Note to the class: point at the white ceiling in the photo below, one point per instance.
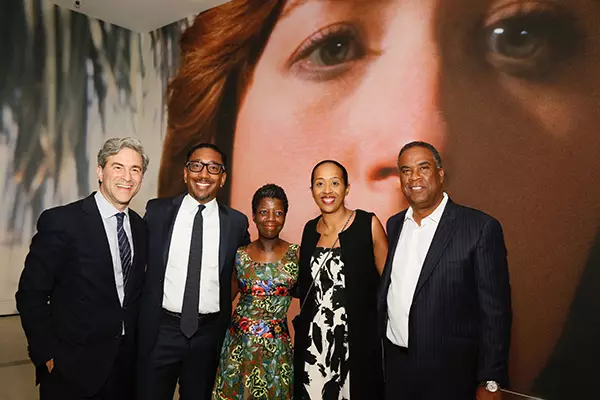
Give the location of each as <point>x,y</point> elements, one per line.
<point>139,15</point>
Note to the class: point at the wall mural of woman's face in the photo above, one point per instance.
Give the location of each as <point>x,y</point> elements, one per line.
<point>507,91</point>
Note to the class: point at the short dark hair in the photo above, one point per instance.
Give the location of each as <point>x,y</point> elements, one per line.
<point>428,146</point>
<point>337,164</point>
<point>269,191</point>
<point>206,146</point>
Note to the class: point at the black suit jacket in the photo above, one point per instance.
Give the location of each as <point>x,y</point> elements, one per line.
<point>67,295</point>
<point>160,218</point>
<point>460,318</point>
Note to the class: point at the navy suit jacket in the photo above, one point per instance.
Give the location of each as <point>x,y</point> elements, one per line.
<point>67,295</point>
<point>460,318</point>
<point>160,218</point>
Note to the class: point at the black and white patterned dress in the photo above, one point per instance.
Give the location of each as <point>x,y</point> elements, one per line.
<point>327,374</point>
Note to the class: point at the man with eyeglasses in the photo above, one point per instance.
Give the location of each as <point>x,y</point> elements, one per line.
<point>186,302</point>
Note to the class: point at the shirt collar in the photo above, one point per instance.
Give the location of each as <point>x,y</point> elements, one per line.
<point>106,209</point>
<point>190,205</point>
<point>435,216</point>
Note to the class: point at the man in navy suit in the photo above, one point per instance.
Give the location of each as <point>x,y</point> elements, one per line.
<point>79,291</point>
<point>445,308</point>
<point>186,302</point>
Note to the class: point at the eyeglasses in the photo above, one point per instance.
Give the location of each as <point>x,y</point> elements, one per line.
<point>198,166</point>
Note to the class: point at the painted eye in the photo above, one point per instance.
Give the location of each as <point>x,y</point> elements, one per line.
<point>329,52</point>
<point>531,44</point>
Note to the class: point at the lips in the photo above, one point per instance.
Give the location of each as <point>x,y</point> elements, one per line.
<point>204,184</point>
<point>328,199</point>
<point>123,186</point>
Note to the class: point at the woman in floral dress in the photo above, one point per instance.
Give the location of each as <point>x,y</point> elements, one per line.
<point>256,360</point>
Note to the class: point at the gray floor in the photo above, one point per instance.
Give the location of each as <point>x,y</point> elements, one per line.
<point>17,380</point>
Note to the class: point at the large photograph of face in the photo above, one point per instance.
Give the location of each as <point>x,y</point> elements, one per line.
<point>507,90</point>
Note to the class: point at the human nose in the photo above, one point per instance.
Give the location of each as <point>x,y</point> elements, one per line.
<point>204,171</point>
<point>414,175</point>
<point>400,98</point>
<point>126,174</point>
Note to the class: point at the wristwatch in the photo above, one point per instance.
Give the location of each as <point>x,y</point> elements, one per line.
<point>491,386</point>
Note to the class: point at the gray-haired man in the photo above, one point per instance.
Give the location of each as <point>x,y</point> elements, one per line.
<point>78,294</point>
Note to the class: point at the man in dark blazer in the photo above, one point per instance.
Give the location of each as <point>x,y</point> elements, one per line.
<point>79,292</point>
<point>445,308</point>
<point>186,302</point>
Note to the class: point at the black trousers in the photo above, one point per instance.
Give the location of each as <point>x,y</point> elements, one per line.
<point>193,362</point>
<point>119,385</point>
<point>408,378</point>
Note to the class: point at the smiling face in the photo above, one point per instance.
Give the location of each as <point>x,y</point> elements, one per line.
<point>421,180</point>
<point>269,217</point>
<point>506,90</point>
<point>121,177</point>
<point>328,188</point>
<point>204,186</point>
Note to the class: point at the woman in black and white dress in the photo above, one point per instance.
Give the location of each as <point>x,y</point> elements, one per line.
<point>337,351</point>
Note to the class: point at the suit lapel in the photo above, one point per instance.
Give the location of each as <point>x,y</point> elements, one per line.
<point>99,242</point>
<point>396,231</point>
<point>169,222</point>
<point>440,241</point>
<point>224,229</point>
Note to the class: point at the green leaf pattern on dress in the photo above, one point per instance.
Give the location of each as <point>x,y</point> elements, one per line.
<point>256,360</point>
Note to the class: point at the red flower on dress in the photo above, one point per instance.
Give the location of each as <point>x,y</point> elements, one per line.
<point>244,323</point>
<point>281,291</point>
<point>258,291</point>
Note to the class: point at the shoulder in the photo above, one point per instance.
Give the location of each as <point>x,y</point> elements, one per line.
<point>394,219</point>
<point>233,213</point>
<point>65,211</point>
<point>366,215</point>
<point>470,215</point>
<point>159,203</point>
<point>311,225</point>
<point>62,217</point>
<point>294,248</point>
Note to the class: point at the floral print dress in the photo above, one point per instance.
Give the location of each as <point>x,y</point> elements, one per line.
<point>256,359</point>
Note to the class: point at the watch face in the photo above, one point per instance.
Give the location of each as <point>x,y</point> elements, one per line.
<point>491,386</point>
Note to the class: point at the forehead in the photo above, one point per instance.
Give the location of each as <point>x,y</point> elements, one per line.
<point>328,170</point>
<point>416,155</point>
<point>126,156</point>
<point>207,155</point>
<point>270,202</point>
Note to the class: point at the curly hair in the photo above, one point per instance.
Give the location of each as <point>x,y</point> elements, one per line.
<point>269,191</point>
<point>218,54</point>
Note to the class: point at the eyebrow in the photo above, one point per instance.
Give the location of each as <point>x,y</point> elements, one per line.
<point>206,162</point>
<point>293,4</point>
<point>419,164</point>
<point>122,165</point>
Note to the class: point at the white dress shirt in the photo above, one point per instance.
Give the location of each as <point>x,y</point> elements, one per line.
<point>179,253</point>
<point>108,212</point>
<point>409,256</point>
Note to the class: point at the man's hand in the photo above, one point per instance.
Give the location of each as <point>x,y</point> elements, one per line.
<point>483,394</point>
<point>50,364</point>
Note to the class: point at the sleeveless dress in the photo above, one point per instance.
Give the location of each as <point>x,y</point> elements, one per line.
<point>360,279</point>
<point>327,374</point>
<point>256,360</point>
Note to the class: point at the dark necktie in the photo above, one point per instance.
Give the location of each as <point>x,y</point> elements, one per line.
<point>191,295</point>
<point>124,248</point>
